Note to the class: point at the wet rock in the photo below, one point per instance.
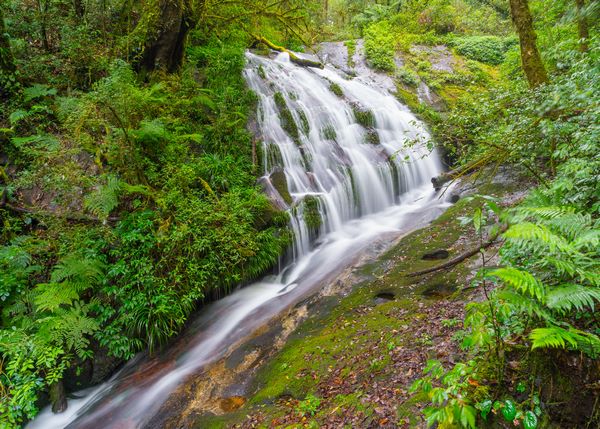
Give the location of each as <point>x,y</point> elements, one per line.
<point>436,255</point>
<point>383,297</point>
<point>440,290</point>
<point>454,198</point>
<point>232,403</point>
<point>58,397</point>
<point>279,182</point>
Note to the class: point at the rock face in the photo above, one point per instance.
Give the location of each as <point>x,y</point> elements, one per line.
<point>439,56</point>
<point>436,255</point>
<point>58,397</point>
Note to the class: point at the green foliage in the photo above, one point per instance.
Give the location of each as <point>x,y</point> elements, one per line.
<point>380,45</point>
<point>486,49</point>
<point>407,76</point>
<point>309,405</point>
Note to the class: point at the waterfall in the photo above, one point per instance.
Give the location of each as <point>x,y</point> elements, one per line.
<point>349,163</point>
<point>346,149</point>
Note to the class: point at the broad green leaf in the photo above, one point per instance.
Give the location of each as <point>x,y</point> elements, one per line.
<point>509,410</point>
<point>485,407</point>
<point>530,421</point>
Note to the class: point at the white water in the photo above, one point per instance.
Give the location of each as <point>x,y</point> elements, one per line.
<point>363,194</point>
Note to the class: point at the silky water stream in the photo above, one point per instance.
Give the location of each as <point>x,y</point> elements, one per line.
<point>350,165</point>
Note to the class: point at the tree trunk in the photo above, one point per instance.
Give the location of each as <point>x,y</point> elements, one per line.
<point>42,11</point>
<point>166,35</point>
<point>79,8</point>
<point>7,62</point>
<point>530,56</point>
<point>582,26</point>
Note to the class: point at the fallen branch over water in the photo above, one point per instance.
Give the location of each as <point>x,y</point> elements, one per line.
<point>293,57</point>
<point>458,259</point>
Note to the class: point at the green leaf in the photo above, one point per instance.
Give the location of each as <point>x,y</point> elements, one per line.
<point>509,411</point>
<point>485,407</point>
<point>37,91</point>
<point>520,280</point>
<point>468,415</point>
<point>18,115</point>
<point>530,421</point>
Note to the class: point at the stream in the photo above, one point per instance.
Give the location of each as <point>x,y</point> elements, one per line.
<point>356,168</point>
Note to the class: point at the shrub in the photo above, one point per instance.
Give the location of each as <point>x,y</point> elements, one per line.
<point>485,49</point>
<point>380,46</point>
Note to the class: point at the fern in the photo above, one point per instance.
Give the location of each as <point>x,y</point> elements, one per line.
<point>105,199</point>
<point>38,91</point>
<point>569,296</point>
<point>71,276</point>
<point>553,337</point>
<point>520,280</point>
<point>51,296</point>
<point>528,231</point>
<point>557,337</point>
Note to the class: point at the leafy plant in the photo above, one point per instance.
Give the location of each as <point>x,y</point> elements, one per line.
<point>309,405</point>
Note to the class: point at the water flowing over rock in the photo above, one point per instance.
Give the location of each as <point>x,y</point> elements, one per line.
<point>344,190</point>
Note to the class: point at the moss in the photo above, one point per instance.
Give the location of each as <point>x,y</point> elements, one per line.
<point>279,182</point>
<point>372,137</point>
<point>286,118</point>
<point>351,47</point>
<point>312,215</point>
<point>363,117</point>
<point>329,132</point>
<point>261,72</point>
<point>336,89</point>
<point>272,154</point>
<point>304,124</point>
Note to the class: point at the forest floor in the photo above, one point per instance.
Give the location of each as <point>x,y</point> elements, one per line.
<point>351,363</point>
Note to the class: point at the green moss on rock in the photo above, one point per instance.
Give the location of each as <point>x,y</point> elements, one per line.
<point>279,182</point>
<point>329,132</point>
<point>336,89</point>
<point>312,216</point>
<point>286,118</point>
<point>364,117</point>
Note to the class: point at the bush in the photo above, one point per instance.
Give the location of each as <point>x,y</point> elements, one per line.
<point>380,46</point>
<point>407,76</point>
<point>485,49</point>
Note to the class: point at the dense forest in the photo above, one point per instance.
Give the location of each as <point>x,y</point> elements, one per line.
<point>129,193</point>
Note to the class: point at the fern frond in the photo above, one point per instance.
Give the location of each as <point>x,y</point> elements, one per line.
<point>590,239</point>
<point>523,304</point>
<point>572,225</point>
<point>528,231</point>
<point>553,337</point>
<point>548,212</point>
<point>83,272</point>
<point>569,296</point>
<point>105,198</point>
<point>520,280</point>
<point>51,296</point>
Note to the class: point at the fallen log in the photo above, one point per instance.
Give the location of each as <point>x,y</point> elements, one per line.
<point>293,57</point>
<point>451,175</point>
<point>458,259</point>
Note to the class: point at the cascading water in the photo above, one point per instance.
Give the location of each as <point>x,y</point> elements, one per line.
<point>347,161</point>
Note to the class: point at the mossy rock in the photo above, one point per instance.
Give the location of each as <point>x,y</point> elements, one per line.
<point>272,155</point>
<point>312,216</point>
<point>304,124</point>
<point>336,89</point>
<point>372,137</point>
<point>363,117</point>
<point>286,118</point>
<point>329,133</point>
<point>279,182</point>
<point>261,72</point>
